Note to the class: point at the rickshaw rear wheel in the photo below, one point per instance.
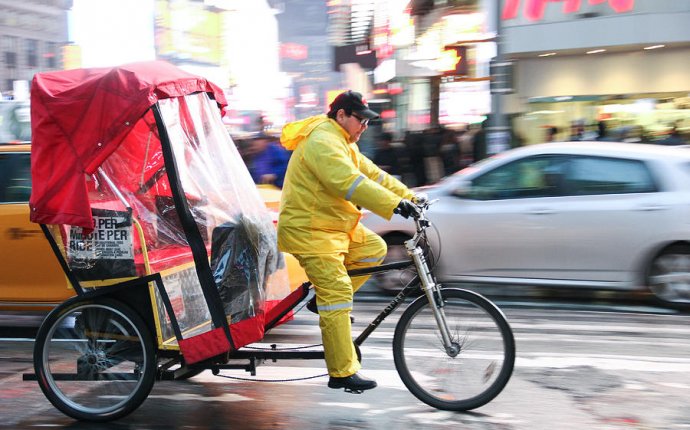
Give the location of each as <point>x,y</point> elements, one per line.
<point>95,359</point>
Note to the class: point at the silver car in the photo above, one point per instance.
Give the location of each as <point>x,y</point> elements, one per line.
<point>595,215</point>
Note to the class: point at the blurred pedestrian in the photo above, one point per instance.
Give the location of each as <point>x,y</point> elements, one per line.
<point>551,134</point>
<point>414,144</point>
<point>673,139</point>
<point>267,161</point>
<point>602,133</point>
<point>577,130</point>
<point>631,134</point>
<point>590,132</point>
<point>479,142</point>
<point>433,165</point>
<point>450,152</point>
<point>386,155</point>
<point>466,142</point>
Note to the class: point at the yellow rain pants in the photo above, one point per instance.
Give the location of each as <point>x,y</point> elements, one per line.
<point>334,295</point>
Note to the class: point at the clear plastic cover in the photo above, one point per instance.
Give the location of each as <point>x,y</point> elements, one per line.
<point>227,208</point>
<point>138,231</point>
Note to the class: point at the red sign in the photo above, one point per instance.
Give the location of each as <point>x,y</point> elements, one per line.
<point>293,51</point>
<point>534,9</point>
<point>387,114</point>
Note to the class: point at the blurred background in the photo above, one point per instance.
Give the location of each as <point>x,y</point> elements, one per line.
<point>455,82</point>
<point>516,72</point>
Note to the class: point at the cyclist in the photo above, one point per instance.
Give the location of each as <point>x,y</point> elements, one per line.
<point>327,180</point>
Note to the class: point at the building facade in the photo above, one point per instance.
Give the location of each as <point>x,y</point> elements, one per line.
<point>33,38</point>
<point>433,62</point>
<point>306,56</point>
<point>623,63</point>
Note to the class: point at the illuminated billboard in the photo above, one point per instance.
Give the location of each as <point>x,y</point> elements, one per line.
<point>188,31</point>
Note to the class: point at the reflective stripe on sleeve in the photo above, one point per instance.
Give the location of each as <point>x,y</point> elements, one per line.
<point>380,179</point>
<point>351,191</point>
<point>335,307</point>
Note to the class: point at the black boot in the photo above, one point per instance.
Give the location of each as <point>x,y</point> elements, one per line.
<point>311,306</point>
<point>352,384</point>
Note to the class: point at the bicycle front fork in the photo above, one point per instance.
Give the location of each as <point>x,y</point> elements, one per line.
<point>432,291</point>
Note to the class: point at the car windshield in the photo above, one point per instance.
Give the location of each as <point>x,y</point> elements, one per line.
<point>15,122</point>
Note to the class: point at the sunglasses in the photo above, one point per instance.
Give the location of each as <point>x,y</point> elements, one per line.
<point>362,121</point>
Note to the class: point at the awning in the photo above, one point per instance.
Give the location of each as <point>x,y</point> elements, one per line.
<point>391,69</point>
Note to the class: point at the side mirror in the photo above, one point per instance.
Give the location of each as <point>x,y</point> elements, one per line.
<point>463,188</point>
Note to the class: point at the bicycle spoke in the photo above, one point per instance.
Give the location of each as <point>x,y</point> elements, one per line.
<point>95,361</point>
<point>467,377</point>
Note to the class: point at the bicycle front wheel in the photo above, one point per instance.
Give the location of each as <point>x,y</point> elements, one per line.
<point>95,359</point>
<point>477,366</point>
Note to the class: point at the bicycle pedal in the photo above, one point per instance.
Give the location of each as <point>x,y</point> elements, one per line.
<point>351,391</point>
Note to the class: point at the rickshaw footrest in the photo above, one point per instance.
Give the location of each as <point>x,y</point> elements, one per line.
<point>277,355</point>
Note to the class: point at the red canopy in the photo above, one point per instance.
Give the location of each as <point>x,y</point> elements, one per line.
<point>79,117</point>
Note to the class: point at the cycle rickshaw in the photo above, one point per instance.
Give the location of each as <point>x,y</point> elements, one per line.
<point>160,230</point>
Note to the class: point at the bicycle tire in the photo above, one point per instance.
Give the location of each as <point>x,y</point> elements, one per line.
<point>95,359</point>
<point>472,377</point>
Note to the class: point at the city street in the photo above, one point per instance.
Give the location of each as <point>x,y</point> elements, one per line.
<point>579,366</point>
<point>172,172</point>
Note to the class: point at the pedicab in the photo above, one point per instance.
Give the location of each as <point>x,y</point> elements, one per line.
<point>160,230</point>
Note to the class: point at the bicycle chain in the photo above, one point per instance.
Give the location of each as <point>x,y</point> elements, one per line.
<point>271,380</point>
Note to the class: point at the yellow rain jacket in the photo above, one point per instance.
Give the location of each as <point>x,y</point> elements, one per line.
<point>327,179</point>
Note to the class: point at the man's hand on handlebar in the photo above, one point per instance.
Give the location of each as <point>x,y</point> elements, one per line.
<point>406,209</point>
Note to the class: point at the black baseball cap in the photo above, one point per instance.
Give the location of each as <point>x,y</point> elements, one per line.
<point>352,101</point>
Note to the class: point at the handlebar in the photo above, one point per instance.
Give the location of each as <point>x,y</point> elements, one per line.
<point>421,221</point>
<point>422,206</point>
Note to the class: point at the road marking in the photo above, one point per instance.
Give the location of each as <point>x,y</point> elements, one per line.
<point>642,364</point>
<point>590,327</point>
<point>184,397</point>
<point>346,405</point>
<point>675,385</point>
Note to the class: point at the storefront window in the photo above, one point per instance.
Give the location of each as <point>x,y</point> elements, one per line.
<point>635,118</point>
<point>464,102</point>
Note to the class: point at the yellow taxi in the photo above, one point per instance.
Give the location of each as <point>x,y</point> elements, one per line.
<point>30,275</point>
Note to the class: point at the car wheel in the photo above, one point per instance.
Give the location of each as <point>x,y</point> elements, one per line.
<point>669,277</point>
<point>392,281</point>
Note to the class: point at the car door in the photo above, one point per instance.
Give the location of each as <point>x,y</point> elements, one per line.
<point>30,271</point>
<point>611,211</point>
<point>497,228</point>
